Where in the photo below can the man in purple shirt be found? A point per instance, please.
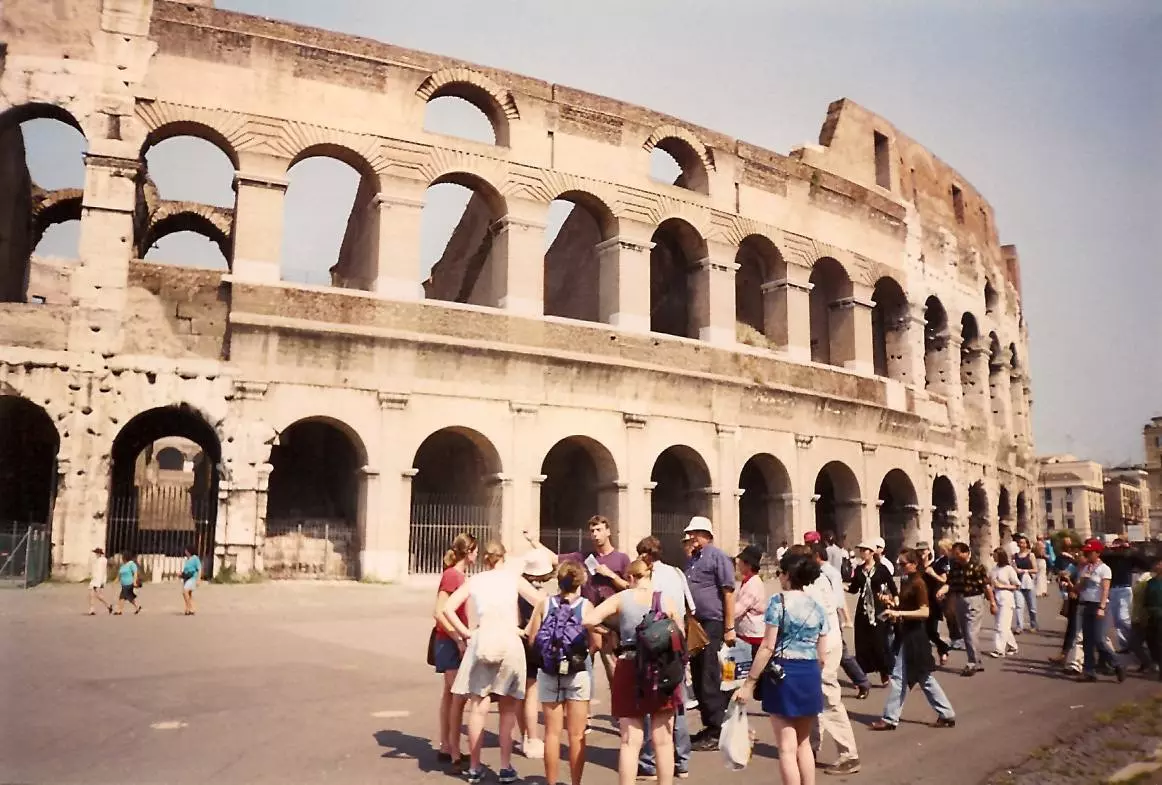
(710, 573)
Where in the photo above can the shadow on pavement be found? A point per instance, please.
(403, 746)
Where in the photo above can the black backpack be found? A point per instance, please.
(659, 652)
(846, 570)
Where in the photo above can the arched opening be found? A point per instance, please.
(461, 230)
(456, 488)
(678, 249)
(578, 224)
(450, 115)
(1004, 506)
(998, 378)
(41, 155)
(970, 350)
(756, 308)
(29, 443)
(764, 507)
(674, 161)
(189, 171)
(580, 482)
(979, 537)
(1022, 513)
(889, 329)
(990, 297)
(313, 502)
(332, 241)
(943, 509)
(831, 343)
(155, 513)
(681, 491)
(935, 345)
(899, 513)
(170, 459)
(838, 504)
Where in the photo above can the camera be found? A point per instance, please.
(775, 672)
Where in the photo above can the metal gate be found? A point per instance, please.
(436, 519)
(668, 528)
(566, 540)
(25, 554)
(311, 548)
(156, 522)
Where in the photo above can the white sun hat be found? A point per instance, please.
(699, 523)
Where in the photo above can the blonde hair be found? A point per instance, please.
(463, 545)
(493, 553)
(944, 545)
(640, 568)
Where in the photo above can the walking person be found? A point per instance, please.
(538, 570)
(1122, 561)
(1152, 612)
(1006, 584)
(564, 655)
(494, 660)
(710, 573)
(750, 603)
(191, 573)
(934, 581)
(789, 663)
(632, 699)
(913, 662)
(98, 574)
(827, 590)
(873, 585)
(1067, 572)
(1093, 596)
(1140, 644)
(1025, 563)
(447, 648)
(1041, 559)
(970, 588)
(129, 576)
(671, 583)
(941, 566)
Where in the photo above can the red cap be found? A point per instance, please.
(1093, 545)
(812, 537)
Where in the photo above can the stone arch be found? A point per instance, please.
(764, 508)
(573, 268)
(830, 286)
(898, 513)
(213, 223)
(456, 486)
(691, 155)
(991, 298)
(681, 489)
(890, 329)
(943, 509)
(1022, 513)
(339, 152)
(463, 272)
(838, 503)
(497, 104)
(35, 110)
(192, 128)
(170, 459)
(54, 207)
(935, 344)
(156, 520)
(314, 508)
(580, 481)
(760, 264)
(678, 248)
(29, 444)
(998, 380)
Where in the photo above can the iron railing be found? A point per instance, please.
(436, 519)
(668, 528)
(156, 523)
(311, 548)
(566, 540)
(25, 553)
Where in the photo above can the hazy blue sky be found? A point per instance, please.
(1053, 110)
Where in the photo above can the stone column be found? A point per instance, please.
(917, 524)
(526, 510)
(637, 528)
(914, 361)
(787, 306)
(725, 511)
(804, 521)
(624, 298)
(517, 259)
(974, 373)
(1017, 404)
(635, 515)
(712, 294)
(373, 524)
(400, 204)
(258, 221)
(1000, 396)
(401, 511)
(851, 333)
(506, 527)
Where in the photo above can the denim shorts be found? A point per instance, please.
(447, 655)
(558, 689)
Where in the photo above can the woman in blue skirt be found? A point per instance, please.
(788, 665)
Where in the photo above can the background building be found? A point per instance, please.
(1152, 436)
(1071, 494)
(1127, 500)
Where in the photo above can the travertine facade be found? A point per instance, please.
(879, 383)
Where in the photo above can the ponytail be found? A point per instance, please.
(463, 545)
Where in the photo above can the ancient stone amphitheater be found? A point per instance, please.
(830, 339)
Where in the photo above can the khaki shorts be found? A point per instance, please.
(558, 689)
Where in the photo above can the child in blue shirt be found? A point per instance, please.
(130, 578)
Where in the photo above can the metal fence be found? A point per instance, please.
(566, 540)
(668, 528)
(437, 519)
(25, 554)
(311, 548)
(157, 522)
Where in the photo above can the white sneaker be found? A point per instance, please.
(692, 704)
(996, 654)
(534, 749)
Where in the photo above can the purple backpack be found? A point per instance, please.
(562, 642)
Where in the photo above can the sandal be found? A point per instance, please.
(881, 725)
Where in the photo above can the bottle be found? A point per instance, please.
(728, 669)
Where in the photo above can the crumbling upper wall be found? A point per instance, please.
(51, 29)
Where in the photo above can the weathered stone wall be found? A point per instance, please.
(15, 216)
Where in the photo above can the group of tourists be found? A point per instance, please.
(660, 630)
(129, 581)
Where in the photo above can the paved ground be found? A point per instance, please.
(310, 683)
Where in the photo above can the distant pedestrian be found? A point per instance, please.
(1006, 584)
(941, 566)
(934, 581)
(494, 660)
(191, 572)
(1152, 612)
(969, 588)
(913, 652)
(1093, 595)
(447, 646)
(1067, 572)
(873, 586)
(1123, 561)
(710, 573)
(129, 577)
(1042, 559)
(98, 574)
(1139, 643)
(1025, 563)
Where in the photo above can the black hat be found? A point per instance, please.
(751, 555)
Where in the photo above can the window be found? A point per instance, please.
(1068, 493)
(1048, 506)
(1049, 523)
(958, 204)
(1068, 522)
(1069, 506)
(883, 162)
(1048, 495)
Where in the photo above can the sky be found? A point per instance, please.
(1051, 109)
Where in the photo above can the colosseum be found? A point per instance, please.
(829, 339)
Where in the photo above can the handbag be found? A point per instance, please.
(432, 648)
(780, 646)
(696, 637)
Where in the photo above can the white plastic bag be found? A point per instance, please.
(734, 740)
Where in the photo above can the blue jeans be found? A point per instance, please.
(1095, 647)
(1030, 598)
(852, 669)
(682, 745)
(1019, 612)
(898, 691)
(1119, 615)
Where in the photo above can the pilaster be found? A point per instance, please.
(713, 311)
(624, 298)
(787, 305)
(851, 333)
(258, 221)
(400, 204)
(518, 258)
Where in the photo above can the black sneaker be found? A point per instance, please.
(707, 743)
(945, 722)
